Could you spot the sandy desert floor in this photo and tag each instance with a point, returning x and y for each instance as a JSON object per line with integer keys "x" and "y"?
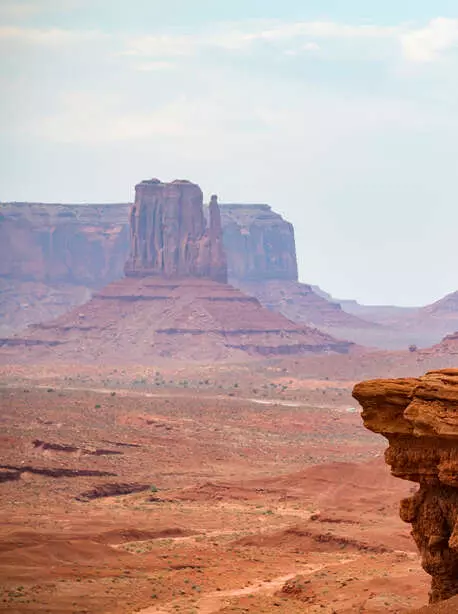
{"x": 174, "y": 492}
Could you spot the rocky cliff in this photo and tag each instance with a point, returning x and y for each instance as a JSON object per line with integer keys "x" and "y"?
{"x": 169, "y": 233}
{"x": 78, "y": 244}
{"x": 259, "y": 243}
{"x": 89, "y": 244}
{"x": 419, "y": 418}
{"x": 52, "y": 257}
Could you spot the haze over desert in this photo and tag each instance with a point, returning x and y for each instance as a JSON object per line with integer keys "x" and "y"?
{"x": 228, "y": 307}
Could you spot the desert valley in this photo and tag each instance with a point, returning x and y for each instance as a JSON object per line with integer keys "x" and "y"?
{"x": 179, "y": 431}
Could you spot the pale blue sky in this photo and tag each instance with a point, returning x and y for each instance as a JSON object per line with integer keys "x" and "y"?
{"x": 343, "y": 115}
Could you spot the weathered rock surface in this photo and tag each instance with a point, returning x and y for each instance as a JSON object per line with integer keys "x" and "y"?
{"x": 79, "y": 244}
{"x": 53, "y": 256}
{"x": 259, "y": 243}
{"x": 169, "y": 233}
{"x": 419, "y": 417}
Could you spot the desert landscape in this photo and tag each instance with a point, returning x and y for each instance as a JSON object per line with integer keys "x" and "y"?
{"x": 172, "y": 442}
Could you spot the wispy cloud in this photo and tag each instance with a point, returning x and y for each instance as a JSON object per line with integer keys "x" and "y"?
{"x": 429, "y": 43}
{"x": 243, "y": 36}
{"x": 155, "y": 66}
{"x": 19, "y": 10}
{"x": 414, "y": 44}
{"x": 48, "y": 36}
{"x": 424, "y": 44}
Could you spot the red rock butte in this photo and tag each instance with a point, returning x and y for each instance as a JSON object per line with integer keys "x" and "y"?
{"x": 169, "y": 233}
{"x": 174, "y": 302}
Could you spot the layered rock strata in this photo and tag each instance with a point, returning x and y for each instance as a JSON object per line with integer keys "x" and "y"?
{"x": 419, "y": 417}
{"x": 173, "y": 302}
{"x": 83, "y": 245}
{"x": 299, "y": 303}
{"x": 145, "y": 318}
{"x": 259, "y": 242}
{"x": 169, "y": 233}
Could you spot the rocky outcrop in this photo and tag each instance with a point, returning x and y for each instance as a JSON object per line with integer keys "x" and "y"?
{"x": 83, "y": 245}
{"x": 259, "y": 243}
{"x": 419, "y": 417}
{"x": 169, "y": 233}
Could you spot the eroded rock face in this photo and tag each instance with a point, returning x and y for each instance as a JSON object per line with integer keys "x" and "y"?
{"x": 419, "y": 417}
{"x": 78, "y": 244}
{"x": 169, "y": 233}
{"x": 259, "y": 243}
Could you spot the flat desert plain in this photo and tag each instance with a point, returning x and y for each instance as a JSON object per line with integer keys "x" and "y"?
{"x": 167, "y": 492}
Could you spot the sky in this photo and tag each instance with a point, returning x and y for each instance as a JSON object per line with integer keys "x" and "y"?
{"x": 340, "y": 114}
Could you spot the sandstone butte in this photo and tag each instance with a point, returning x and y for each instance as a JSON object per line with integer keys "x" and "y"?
{"x": 169, "y": 234}
{"x": 419, "y": 418}
{"x": 174, "y": 302}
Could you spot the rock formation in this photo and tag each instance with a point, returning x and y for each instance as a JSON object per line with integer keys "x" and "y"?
{"x": 259, "y": 243}
{"x": 147, "y": 318}
{"x": 173, "y": 302}
{"x": 52, "y": 257}
{"x": 419, "y": 417}
{"x": 79, "y": 244}
{"x": 169, "y": 233}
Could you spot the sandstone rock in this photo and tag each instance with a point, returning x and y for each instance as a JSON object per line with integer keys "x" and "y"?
{"x": 169, "y": 233}
{"x": 84, "y": 245}
{"x": 419, "y": 417}
{"x": 259, "y": 243}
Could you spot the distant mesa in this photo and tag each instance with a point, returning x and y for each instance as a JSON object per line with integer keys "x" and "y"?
{"x": 56, "y": 256}
{"x": 174, "y": 301}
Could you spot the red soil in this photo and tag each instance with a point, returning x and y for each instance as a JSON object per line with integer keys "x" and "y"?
{"x": 237, "y": 508}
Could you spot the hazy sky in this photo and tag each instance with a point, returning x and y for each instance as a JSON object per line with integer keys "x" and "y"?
{"x": 343, "y": 115}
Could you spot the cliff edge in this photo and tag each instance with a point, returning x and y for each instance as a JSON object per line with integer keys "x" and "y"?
{"x": 419, "y": 418}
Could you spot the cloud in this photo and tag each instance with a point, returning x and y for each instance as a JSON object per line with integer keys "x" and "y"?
{"x": 243, "y": 36}
{"x": 154, "y": 66}
{"x": 161, "y": 45}
{"x": 424, "y": 44}
{"x": 20, "y": 10}
{"x": 427, "y": 44}
{"x": 48, "y": 36}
